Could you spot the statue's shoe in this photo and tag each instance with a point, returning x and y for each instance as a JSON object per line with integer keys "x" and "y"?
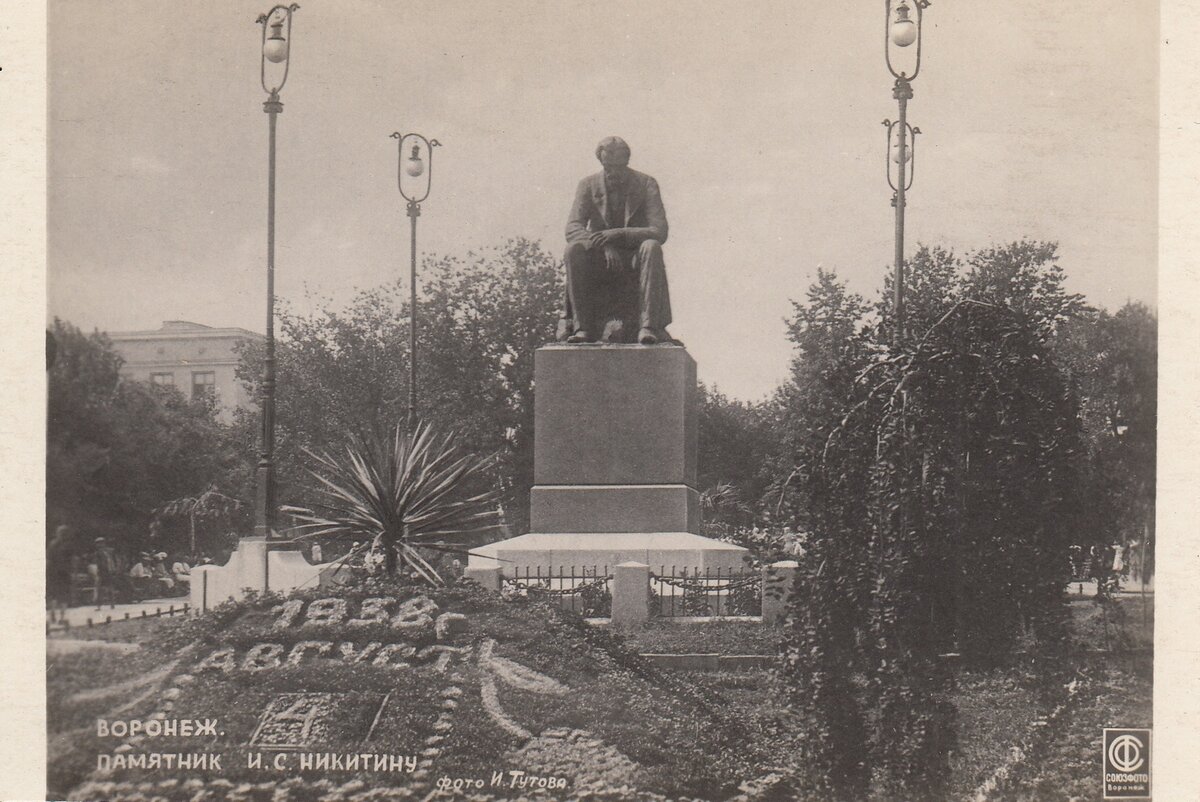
{"x": 580, "y": 336}
{"x": 648, "y": 336}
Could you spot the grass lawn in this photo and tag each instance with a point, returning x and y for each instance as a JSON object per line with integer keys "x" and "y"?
{"x": 996, "y": 713}
{"x": 1130, "y": 625}
{"x": 132, "y": 631}
{"x": 1066, "y": 763}
{"x": 996, "y": 709}
{"x": 704, "y": 637}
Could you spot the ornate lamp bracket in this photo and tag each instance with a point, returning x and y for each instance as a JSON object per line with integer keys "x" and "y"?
{"x": 430, "y": 144}
{"x": 264, "y": 21}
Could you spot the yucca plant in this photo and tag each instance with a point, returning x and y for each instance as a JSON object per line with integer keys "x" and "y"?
{"x": 413, "y": 490}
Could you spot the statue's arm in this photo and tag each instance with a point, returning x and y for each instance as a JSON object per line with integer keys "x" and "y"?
{"x": 577, "y": 222}
{"x": 656, "y": 219}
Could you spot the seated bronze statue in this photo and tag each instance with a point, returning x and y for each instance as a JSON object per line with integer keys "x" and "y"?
{"x": 616, "y": 278}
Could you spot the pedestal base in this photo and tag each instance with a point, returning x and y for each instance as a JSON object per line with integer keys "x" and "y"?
{"x": 614, "y": 508}
{"x": 614, "y": 415}
{"x": 659, "y": 550}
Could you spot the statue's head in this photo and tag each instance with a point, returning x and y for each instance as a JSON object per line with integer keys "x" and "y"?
{"x": 613, "y": 153}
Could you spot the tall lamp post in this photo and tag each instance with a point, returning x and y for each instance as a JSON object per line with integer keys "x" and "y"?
{"x": 414, "y": 190}
{"x": 276, "y": 27}
{"x": 901, "y": 32}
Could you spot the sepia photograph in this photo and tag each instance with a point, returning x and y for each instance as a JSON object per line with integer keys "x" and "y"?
{"x": 622, "y": 401}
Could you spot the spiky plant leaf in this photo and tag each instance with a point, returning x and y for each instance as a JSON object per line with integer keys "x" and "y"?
{"x": 408, "y": 491}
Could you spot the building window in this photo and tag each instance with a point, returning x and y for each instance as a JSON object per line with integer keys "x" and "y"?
{"x": 167, "y": 379}
{"x": 204, "y": 384}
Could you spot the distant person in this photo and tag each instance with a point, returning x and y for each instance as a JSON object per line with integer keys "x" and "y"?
{"x": 1075, "y": 559}
{"x": 59, "y": 552}
{"x": 790, "y": 541}
{"x": 1135, "y": 562}
{"x": 797, "y": 548}
{"x": 103, "y": 569}
{"x": 181, "y": 572}
{"x": 1107, "y": 558}
{"x": 160, "y": 574}
{"x": 138, "y": 571}
{"x": 140, "y": 582}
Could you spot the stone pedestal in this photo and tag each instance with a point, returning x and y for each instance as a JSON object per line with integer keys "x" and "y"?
{"x": 614, "y": 445}
{"x": 614, "y": 464}
{"x": 614, "y": 508}
{"x": 614, "y": 415}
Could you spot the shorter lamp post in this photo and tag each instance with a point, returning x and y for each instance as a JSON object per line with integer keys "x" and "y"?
{"x": 414, "y": 191}
{"x": 276, "y": 49}
{"x": 901, "y": 31}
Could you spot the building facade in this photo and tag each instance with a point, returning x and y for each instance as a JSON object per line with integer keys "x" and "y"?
{"x": 192, "y": 357}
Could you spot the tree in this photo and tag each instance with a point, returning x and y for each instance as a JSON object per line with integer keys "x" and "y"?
{"x": 833, "y": 344}
{"x": 1130, "y": 462}
{"x": 941, "y": 480}
{"x": 1112, "y": 365}
{"x": 343, "y": 373}
{"x": 732, "y": 439}
{"x": 210, "y": 506}
{"x": 117, "y": 449}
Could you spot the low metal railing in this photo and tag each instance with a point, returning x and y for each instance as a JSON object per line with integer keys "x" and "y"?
{"x": 715, "y": 593}
{"x": 586, "y": 590}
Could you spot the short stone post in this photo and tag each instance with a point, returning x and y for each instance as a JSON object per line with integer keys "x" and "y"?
{"x": 778, "y": 579}
{"x": 630, "y": 594}
{"x": 488, "y": 577}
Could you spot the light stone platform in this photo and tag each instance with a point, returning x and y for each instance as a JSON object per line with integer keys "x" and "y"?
{"x": 552, "y": 551}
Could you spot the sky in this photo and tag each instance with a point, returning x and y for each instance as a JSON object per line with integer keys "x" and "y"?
{"x": 760, "y": 120}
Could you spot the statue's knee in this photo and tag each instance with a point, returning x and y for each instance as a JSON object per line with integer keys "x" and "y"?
{"x": 575, "y": 252}
{"x": 650, "y": 248}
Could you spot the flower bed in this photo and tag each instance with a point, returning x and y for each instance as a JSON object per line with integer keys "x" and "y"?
{"x": 451, "y": 683}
